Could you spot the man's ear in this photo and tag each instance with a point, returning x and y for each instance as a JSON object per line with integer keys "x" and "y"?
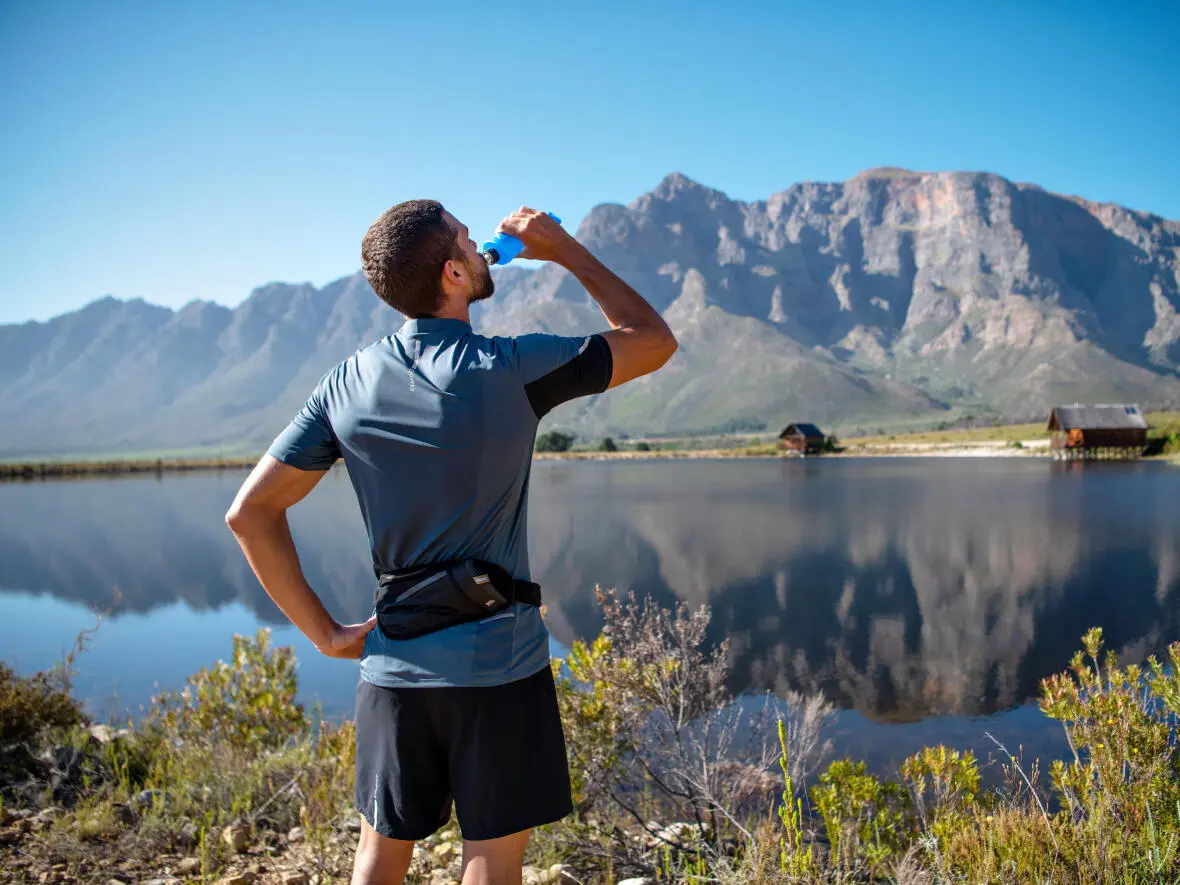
{"x": 452, "y": 273}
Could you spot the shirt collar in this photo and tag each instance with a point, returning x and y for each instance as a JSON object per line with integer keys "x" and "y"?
{"x": 428, "y": 325}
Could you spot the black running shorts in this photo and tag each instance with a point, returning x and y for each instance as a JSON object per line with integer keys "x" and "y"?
{"x": 498, "y": 752}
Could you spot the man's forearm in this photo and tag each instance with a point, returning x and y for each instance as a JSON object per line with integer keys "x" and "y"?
{"x": 266, "y": 540}
{"x": 622, "y": 306}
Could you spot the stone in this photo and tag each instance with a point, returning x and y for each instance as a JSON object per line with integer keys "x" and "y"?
{"x": 188, "y": 835}
{"x": 560, "y": 872}
{"x": 257, "y": 868}
{"x": 116, "y": 882}
{"x": 444, "y": 851}
{"x": 679, "y": 833}
{"x": 44, "y": 817}
{"x": 238, "y": 879}
{"x": 236, "y": 837}
{"x": 158, "y": 882}
{"x": 145, "y": 799}
{"x": 188, "y": 866}
{"x": 102, "y": 733}
{"x": 640, "y": 880}
{"x": 295, "y": 834}
{"x": 530, "y": 875}
{"x": 353, "y": 825}
{"x": 295, "y": 878}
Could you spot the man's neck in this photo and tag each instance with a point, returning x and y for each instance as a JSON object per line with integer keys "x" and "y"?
{"x": 457, "y": 313}
{"x": 454, "y": 308}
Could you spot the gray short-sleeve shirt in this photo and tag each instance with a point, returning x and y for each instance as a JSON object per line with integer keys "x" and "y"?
{"x": 436, "y": 427}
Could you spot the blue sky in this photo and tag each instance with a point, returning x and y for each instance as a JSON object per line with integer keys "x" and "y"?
{"x": 174, "y": 151}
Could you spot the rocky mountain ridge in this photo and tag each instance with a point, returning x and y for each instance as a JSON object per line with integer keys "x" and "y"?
{"x": 893, "y": 296}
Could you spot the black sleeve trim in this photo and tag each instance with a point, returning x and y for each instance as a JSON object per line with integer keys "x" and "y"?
{"x": 587, "y": 373}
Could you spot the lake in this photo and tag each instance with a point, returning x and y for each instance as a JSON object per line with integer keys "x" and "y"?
{"x": 926, "y": 597}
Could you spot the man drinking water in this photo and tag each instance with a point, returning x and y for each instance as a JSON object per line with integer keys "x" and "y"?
{"x": 436, "y": 425}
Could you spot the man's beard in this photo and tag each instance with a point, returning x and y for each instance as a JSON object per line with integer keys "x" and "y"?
{"x": 484, "y": 284}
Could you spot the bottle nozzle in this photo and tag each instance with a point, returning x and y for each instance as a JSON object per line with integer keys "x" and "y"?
{"x": 491, "y": 256}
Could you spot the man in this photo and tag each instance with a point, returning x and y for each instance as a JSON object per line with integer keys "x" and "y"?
{"x": 436, "y": 427}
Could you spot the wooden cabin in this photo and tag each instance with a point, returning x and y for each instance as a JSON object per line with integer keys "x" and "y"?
{"x": 806, "y": 439}
{"x": 1118, "y": 431}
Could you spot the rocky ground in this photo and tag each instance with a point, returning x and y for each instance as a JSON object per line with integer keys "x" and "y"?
{"x": 32, "y": 852}
{"x": 28, "y": 855}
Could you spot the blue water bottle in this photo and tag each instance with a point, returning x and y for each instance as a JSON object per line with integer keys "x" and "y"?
{"x": 503, "y": 247}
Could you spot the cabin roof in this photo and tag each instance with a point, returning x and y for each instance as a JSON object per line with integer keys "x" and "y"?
{"x": 1114, "y": 417}
{"x": 807, "y": 430}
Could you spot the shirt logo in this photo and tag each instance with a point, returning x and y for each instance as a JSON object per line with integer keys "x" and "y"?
{"x": 414, "y": 364}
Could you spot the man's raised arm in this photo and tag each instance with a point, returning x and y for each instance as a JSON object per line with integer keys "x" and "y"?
{"x": 640, "y": 340}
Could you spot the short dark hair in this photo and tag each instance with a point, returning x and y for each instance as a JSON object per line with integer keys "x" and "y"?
{"x": 403, "y": 253}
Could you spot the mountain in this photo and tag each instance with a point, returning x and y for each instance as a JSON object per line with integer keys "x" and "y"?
{"x": 894, "y": 296}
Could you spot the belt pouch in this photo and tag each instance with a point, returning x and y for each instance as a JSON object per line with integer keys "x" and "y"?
{"x": 418, "y": 601}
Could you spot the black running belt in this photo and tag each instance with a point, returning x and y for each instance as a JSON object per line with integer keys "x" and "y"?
{"x": 513, "y": 589}
{"x": 415, "y": 601}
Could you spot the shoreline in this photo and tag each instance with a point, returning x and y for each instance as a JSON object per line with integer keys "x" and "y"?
{"x": 31, "y": 471}
{"x": 28, "y": 471}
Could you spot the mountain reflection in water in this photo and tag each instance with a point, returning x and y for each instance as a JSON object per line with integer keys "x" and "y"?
{"x": 904, "y": 588}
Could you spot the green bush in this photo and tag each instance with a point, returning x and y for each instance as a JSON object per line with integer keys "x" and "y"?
{"x": 1163, "y": 440}
{"x": 944, "y": 787}
{"x": 554, "y": 441}
{"x": 868, "y": 821}
{"x": 607, "y": 445}
{"x": 247, "y": 702}
{"x": 32, "y": 704}
{"x": 642, "y": 447}
{"x": 1122, "y": 786}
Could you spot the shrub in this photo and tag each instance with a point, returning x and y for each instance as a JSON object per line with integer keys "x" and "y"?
{"x": 653, "y": 733}
{"x": 607, "y": 445}
{"x": 867, "y": 820}
{"x": 943, "y": 785}
{"x": 32, "y": 704}
{"x": 1123, "y": 783}
{"x": 1171, "y": 443}
{"x": 794, "y": 861}
{"x": 642, "y": 447}
{"x": 592, "y": 713}
{"x": 554, "y": 441}
{"x": 32, "y": 708}
{"x": 248, "y": 702}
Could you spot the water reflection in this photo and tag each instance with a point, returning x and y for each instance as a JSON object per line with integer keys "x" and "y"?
{"x": 903, "y": 588}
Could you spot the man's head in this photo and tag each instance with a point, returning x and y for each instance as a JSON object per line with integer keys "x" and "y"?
{"x": 421, "y": 261}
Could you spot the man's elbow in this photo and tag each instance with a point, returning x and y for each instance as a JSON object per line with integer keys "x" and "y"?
{"x": 666, "y": 347}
